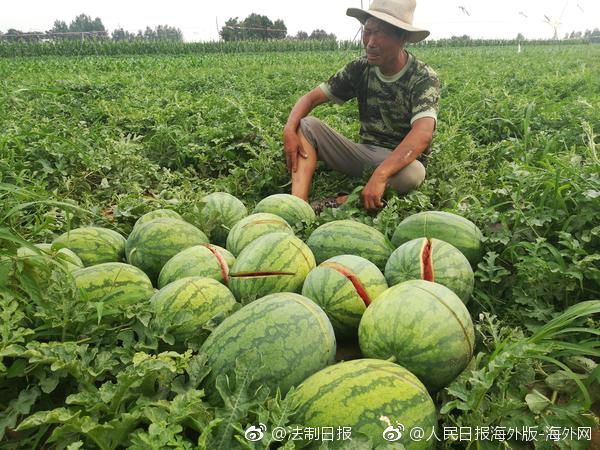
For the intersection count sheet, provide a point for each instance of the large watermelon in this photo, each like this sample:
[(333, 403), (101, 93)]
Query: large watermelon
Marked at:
[(344, 286), (424, 326), (115, 284), (276, 262), (431, 260), (93, 245), (451, 228), (371, 397), (290, 332), (152, 244), (157, 214), (219, 211), (65, 257), (347, 237), (252, 227), (204, 260), (186, 304), (289, 207)]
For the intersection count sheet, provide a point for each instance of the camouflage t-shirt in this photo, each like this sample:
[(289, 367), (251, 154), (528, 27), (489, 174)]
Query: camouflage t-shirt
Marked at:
[(387, 106)]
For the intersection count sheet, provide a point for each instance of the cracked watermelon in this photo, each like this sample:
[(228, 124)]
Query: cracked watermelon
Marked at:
[(204, 260), (252, 227), (93, 245), (276, 262), (347, 237), (219, 212), (431, 260), (424, 326), (188, 303), (367, 395), (289, 332), (454, 229), (289, 207), (114, 284), (152, 244), (344, 286)]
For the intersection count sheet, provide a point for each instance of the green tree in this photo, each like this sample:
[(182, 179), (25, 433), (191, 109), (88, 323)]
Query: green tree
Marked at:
[(231, 30), (83, 23), (120, 34), (301, 35), (321, 35), (253, 27), (60, 26)]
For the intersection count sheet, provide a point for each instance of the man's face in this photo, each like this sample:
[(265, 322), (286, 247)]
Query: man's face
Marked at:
[(381, 43)]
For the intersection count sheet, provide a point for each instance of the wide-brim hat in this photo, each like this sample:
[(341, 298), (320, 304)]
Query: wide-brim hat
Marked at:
[(398, 13)]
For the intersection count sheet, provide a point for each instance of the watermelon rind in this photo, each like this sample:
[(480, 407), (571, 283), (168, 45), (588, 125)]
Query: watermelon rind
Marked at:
[(448, 227), (219, 212), (368, 396), (289, 207), (448, 266), (197, 261), (152, 244), (291, 334), (424, 326), (348, 237), (252, 227), (93, 245), (157, 214)]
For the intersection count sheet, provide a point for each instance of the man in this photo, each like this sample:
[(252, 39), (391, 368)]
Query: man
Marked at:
[(397, 101)]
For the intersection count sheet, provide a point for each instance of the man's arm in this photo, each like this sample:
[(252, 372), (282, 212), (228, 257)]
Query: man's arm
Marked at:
[(291, 140), (414, 143)]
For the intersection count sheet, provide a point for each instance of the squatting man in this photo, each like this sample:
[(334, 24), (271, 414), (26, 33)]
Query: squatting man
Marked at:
[(397, 98)]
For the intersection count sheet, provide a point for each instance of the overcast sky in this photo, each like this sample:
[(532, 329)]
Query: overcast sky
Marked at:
[(200, 19)]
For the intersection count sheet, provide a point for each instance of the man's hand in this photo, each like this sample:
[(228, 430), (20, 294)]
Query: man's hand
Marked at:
[(372, 193), (292, 148)]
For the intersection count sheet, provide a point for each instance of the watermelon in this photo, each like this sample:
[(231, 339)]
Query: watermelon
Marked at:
[(67, 258), (188, 303), (93, 245), (219, 211), (157, 214), (424, 326), (276, 262), (451, 228), (289, 207), (153, 243), (431, 260), (288, 332), (347, 237), (344, 286), (369, 396), (114, 284), (204, 260), (252, 227)]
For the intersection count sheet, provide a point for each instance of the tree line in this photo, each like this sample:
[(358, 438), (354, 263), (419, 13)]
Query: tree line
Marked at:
[(259, 27), (83, 25)]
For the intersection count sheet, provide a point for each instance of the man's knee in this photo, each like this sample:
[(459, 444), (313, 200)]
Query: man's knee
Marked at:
[(409, 178), (308, 127)]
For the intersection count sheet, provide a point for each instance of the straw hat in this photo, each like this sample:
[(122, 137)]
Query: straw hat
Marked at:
[(398, 13)]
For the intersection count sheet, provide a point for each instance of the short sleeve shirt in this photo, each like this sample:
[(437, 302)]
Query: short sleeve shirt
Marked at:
[(387, 106)]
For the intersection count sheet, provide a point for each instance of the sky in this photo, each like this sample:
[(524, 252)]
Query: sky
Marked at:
[(199, 20)]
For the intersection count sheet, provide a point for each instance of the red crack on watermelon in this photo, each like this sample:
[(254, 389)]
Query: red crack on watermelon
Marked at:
[(360, 290), (221, 261), (259, 274), (426, 262)]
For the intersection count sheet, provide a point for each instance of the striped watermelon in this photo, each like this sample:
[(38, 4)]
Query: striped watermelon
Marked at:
[(431, 260), (184, 305), (219, 211), (67, 258), (152, 244), (369, 396), (424, 326), (276, 262), (93, 245), (114, 284), (344, 286), (289, 207), (290, 332), (157, 214), (347, 237), (204, 260), (252, 227), (456, 230)]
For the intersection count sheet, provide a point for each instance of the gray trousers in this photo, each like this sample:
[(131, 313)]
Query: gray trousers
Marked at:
[(343, 155)]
